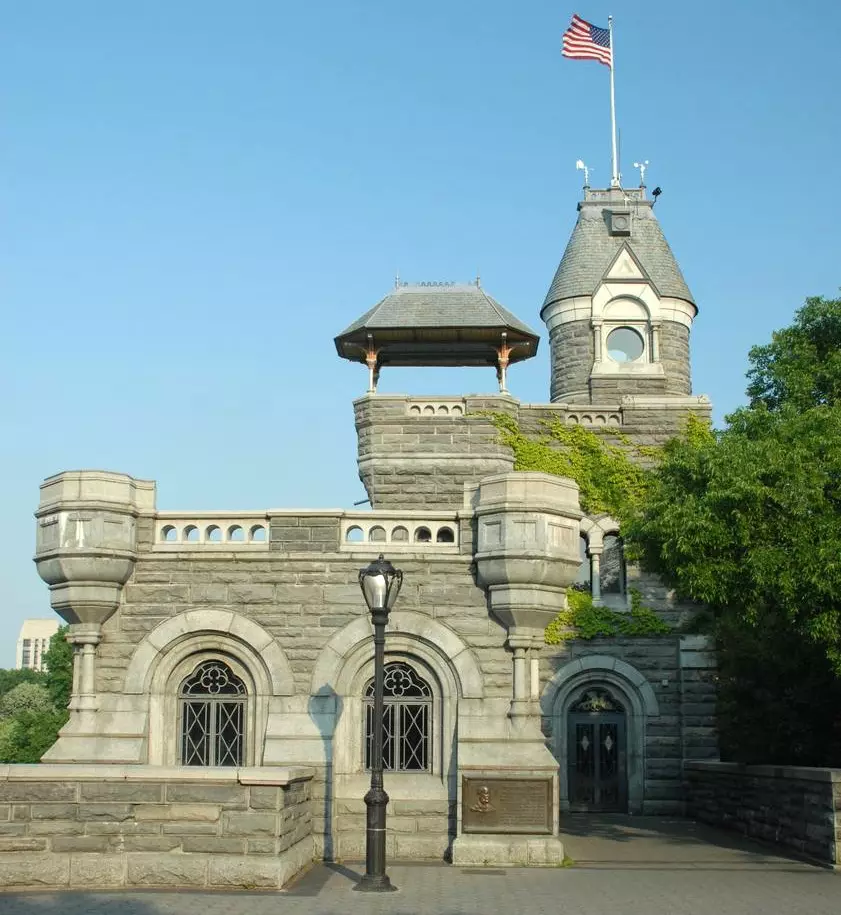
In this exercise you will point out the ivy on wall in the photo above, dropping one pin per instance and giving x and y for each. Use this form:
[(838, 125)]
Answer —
[(584, 620), (612, 479)]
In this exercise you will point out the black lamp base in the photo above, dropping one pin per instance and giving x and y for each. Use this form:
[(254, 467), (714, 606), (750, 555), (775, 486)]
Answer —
[(371, 884)]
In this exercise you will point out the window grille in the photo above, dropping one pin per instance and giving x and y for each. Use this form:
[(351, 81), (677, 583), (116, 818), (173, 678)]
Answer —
[(407, 720), (212, 705)]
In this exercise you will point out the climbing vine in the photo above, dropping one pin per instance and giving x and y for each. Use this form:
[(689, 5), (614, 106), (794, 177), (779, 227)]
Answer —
[(612, 479), (584, 620)]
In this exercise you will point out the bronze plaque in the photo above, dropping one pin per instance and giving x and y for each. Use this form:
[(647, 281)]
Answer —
[(507, 805)]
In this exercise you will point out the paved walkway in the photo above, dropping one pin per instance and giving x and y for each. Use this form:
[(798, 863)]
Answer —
[(624, 866)]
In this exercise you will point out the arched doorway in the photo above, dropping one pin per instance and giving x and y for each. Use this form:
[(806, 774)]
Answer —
[(596, 753)]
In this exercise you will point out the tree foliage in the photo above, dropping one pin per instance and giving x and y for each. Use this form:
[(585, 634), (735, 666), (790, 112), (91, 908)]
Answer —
[(33, 705), (748, 521), (25, 697), (59, 674), (801, 366)]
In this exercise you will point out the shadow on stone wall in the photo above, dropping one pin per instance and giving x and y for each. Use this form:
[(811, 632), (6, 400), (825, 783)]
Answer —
[(325, 708)]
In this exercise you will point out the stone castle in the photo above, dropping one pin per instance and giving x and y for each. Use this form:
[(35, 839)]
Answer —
[(223, 660)]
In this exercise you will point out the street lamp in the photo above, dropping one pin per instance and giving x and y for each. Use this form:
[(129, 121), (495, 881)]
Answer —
[(380, 583)]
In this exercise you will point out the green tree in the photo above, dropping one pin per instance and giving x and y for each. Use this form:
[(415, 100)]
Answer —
[(748, 521), (9, 679), (25, 697), (801, 366), (31, 734), (34, 708), (59, 674)]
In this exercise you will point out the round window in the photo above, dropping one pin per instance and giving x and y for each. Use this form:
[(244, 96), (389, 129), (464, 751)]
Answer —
[(624, 345)]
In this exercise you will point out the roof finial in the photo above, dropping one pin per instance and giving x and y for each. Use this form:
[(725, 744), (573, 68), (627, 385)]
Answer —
[(478, 281), (579, 165), (397, 280), (642, 166)]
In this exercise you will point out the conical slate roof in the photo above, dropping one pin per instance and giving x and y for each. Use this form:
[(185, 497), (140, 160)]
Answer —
[(592, 248), (437, 324)]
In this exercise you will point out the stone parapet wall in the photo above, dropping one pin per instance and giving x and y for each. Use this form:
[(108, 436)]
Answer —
[(798, 809), (411, 455), (103, 826)]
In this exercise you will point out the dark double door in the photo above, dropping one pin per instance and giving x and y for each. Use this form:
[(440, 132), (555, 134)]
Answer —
[(597, 780)]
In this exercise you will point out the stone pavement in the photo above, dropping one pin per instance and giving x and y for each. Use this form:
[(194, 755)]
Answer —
[(623, 866)]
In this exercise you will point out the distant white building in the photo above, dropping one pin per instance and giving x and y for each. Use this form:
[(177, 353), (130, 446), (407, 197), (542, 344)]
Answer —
[(33, 642)]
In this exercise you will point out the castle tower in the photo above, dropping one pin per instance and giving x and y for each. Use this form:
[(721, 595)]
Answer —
[(418, 452), (618, 311)]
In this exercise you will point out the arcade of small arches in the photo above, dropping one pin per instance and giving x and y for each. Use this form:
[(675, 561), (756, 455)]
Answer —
[(422, 533), (212, 533)]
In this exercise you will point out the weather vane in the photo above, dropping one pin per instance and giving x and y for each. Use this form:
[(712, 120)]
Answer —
[(579, 165), (642, 166)]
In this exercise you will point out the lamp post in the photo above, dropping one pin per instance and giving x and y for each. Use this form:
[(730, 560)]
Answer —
[(380, 583)]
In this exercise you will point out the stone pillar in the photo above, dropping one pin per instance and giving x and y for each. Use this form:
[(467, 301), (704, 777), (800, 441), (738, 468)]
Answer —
[(655, 342), (595, 574), (597, 341), (85, 552), (84, 638), (527, 556)]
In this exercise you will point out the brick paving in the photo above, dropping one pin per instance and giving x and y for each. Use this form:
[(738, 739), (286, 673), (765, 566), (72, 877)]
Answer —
[(626, 866)]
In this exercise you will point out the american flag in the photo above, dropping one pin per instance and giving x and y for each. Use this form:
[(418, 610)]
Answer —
[(585, 41)]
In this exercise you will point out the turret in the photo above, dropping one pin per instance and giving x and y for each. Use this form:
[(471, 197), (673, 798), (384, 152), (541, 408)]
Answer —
[(618, 311)]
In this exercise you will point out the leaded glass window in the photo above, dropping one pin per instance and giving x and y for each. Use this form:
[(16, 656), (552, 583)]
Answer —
[(407, 720), (212, 713)]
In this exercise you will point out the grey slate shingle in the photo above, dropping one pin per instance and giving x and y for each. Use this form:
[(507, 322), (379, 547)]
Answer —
[(414, 306), (591, 250)]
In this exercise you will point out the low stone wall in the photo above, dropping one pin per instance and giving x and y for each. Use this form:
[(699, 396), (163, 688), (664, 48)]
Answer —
[(108, 826), (796, 808)]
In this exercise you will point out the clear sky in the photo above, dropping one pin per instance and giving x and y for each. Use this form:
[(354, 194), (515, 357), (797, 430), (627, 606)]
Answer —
[(196, 196)]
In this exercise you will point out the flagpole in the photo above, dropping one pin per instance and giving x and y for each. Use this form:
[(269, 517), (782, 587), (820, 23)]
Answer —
[(614, 182)]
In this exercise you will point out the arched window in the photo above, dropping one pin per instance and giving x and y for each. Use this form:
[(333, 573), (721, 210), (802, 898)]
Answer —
[(612, 570), (407, 720), (582, 578), (212, 717)]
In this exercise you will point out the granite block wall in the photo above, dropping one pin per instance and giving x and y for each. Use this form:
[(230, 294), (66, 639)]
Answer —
[(797, 809), (141, 826), (299, 600)]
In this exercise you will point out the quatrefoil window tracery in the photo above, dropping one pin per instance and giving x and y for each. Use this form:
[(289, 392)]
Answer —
[(407, 720)]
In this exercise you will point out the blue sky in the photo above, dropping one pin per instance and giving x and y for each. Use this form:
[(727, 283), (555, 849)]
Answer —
[(198, 195)]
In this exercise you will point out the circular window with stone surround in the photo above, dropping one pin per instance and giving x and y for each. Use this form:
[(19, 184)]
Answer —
[(624, 344)]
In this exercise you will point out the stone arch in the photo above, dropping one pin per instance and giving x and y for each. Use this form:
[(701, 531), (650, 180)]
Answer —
[(595, 529), (631, 689), (172, 648), (226, 627), (443, 648)]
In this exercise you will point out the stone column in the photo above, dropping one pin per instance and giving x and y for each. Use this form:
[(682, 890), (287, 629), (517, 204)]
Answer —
[(597, 340), (84, 638), (595, 574), (85, 552), (655, 342)]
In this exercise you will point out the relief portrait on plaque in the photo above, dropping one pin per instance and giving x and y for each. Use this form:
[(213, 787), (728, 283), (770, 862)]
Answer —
[(483, 800)]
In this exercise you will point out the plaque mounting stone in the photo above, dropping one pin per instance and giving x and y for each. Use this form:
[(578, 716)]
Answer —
[(506, 805)]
